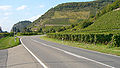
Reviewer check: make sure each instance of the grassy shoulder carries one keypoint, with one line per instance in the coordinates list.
(28, 34)
(8, 42)
(98, 47)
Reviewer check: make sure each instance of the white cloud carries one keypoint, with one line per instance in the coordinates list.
(5, 7)
(41, 6)
(21, 7)
(5, 18)
(34, 18)
(5, 23)
(7, 13)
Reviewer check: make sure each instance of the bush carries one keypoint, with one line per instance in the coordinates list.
(6, 34)
(88, 38)
(116, 40)
(29, 33)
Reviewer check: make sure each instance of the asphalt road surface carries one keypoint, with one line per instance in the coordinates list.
(54, 55)
(3, 58)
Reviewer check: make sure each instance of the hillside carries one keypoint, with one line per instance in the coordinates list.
(69, 13)
(108, 22)
(20, 26)
(103, 29)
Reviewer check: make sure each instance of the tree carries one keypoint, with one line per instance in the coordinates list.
(40, 30)
(14, 29)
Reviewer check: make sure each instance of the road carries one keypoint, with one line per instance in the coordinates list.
(3, 58)
(19, 57)
(54, 55)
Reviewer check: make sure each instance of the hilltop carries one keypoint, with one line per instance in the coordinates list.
(20, 26)
(68, 13)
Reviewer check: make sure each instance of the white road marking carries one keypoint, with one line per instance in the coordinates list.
(78, 56)
(34, 55)
(98, 52)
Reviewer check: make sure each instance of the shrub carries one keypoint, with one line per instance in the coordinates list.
(29, 33)
(88, 38)
(116, 40)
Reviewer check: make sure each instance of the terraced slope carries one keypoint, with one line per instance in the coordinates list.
(69, 13)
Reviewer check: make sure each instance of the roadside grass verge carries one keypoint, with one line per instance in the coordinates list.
(98, 47)
(8, 42)
(29, 34)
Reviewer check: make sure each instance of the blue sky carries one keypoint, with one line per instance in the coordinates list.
(13, 11)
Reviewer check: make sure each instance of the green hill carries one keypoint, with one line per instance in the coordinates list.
(103, 28)
(109, 22)
(69, 13)
(20, 26)
(106, 20)
(106, 23)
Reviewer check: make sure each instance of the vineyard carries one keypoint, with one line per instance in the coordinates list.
(103, 29)
(108, 39)
(109, 21)
(69, 13)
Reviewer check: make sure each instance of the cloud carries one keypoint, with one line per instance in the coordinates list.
(5, 18)
(5, 23)
(41, 6)
(21, 7)
(5, 7)
(34, 18)
(7, 13)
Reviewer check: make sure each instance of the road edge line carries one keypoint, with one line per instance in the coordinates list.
(107, 54)
(78, 56)
(33, 54)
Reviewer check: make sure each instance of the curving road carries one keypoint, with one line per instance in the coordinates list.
(54, 55)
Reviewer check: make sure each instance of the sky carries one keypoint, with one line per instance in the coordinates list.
(13, 11)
